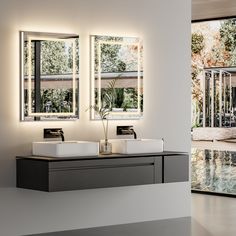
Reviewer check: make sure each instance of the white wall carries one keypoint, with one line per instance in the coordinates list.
(165, 27)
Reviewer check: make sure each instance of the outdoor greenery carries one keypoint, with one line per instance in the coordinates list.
(213, 45)
(114, 57)
(118, 55)
(228, 37)
(122, 97)
(52, 101)
(56, 59)
(56, 100)
(197, 43)
(228, 34)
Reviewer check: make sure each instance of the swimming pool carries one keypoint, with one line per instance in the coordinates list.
(213, 171)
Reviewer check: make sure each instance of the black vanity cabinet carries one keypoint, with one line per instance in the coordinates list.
(175, 168)
(48, 174)
(101, 173)
(62, 174)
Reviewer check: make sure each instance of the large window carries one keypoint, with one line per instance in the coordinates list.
(213, 52)
(214, 106)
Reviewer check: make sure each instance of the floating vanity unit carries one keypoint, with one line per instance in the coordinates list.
(100, 171)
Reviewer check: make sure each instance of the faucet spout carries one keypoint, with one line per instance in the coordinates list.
(134, 133)
(62, 135)
(54, 133)
(126, 130)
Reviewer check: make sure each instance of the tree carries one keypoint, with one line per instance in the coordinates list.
(197, 46)
(213, 45)
(228, 34)
(110, 60)
(197, 43)
(54, 57)
(228, 38)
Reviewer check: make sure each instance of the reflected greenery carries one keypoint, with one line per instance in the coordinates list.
(54, 60)
(119, 58)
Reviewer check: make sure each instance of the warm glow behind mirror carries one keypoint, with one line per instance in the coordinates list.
(117, 74)
(49, 76)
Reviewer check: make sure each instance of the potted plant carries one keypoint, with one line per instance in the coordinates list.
(103, 112)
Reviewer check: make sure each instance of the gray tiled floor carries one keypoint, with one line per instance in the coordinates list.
(211, 216)
(175, 227)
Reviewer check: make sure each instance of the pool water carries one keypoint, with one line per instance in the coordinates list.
(214, 171)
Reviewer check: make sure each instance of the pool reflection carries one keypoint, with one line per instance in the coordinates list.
(214, 171)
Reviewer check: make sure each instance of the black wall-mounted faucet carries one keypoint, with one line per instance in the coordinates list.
(126, 130)
(134, 133)
(54, 133)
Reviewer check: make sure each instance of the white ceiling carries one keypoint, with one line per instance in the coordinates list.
(205, 9)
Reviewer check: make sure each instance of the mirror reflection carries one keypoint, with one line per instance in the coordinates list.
(117, 76)
(49, 76)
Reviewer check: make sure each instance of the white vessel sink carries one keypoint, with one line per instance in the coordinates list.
(132, 146)
(65, 149)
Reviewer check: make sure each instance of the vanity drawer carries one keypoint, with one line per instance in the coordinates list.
(101, 177)
(115, 162)
(100, 173)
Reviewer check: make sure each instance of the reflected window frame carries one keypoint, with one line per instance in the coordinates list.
(29, 36)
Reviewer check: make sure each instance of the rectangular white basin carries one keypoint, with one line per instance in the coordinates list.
(65, 149)
(134, 146)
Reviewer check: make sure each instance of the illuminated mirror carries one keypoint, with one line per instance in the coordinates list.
(117, 73)
(49, 76)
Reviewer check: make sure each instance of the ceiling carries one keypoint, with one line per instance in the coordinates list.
(205, 9)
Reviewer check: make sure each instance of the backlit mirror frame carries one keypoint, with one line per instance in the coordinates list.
(97, 75)
(27, 113)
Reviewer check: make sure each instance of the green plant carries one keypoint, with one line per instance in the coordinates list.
(130, 98)
(107, 102)
(103, 113)
(119, 97)
(108, 95)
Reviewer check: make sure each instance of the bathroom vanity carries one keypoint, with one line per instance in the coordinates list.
(62, 174)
